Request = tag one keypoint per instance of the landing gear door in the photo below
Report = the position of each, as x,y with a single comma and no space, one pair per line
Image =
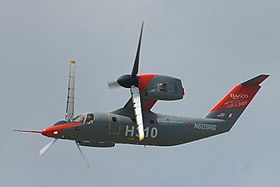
114,124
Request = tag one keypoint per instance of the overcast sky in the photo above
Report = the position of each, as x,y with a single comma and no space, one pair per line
210,45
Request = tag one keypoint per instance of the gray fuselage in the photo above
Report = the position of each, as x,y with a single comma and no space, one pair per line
160,130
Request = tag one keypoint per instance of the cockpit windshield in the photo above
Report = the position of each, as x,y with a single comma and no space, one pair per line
79,118
87,118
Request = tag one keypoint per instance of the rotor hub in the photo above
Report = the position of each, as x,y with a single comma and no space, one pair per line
127,81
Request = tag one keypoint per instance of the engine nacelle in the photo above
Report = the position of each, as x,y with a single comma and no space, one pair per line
164,88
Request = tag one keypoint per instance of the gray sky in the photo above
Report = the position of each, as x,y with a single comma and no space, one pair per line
210,45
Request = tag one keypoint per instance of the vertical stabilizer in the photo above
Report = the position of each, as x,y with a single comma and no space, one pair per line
235,102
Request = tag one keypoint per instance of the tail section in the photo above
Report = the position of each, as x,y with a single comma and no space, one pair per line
235,102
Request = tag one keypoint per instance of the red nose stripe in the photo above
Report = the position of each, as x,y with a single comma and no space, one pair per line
55,130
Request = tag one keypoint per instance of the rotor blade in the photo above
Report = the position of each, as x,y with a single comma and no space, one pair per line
113,84
136,62
46,147
71,92
84,158
137,111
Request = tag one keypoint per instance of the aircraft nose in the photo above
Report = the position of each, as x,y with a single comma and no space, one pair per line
50,132
55,131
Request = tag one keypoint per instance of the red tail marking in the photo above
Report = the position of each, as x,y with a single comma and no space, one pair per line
239,98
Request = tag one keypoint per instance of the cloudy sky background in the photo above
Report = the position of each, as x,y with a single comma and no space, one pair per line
210,45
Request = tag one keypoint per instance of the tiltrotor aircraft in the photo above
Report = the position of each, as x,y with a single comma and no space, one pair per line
135,123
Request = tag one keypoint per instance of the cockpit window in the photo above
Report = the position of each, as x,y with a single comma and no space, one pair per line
79,118
90,119
87,118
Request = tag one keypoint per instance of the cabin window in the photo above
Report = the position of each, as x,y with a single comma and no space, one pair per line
114,119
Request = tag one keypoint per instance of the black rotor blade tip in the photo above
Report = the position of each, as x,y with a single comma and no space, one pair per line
136,62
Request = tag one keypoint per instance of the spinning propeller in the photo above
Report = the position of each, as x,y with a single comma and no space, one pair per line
131,81
128,81
52,131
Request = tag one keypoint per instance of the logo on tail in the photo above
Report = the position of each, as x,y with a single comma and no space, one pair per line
235,102
238,96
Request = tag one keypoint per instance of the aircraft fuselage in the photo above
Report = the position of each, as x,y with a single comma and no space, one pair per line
160,130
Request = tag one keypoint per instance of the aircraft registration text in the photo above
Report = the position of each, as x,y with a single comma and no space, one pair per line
205,126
